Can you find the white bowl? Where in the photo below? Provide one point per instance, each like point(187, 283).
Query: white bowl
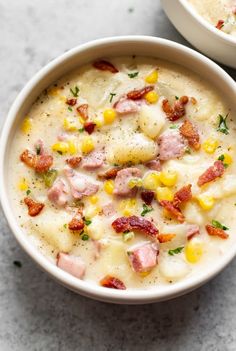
point(200, 33)
point(129, 45)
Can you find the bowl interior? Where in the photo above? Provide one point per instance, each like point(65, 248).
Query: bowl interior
point(145, 46)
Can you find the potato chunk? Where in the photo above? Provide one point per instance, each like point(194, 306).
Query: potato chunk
point(151, 120)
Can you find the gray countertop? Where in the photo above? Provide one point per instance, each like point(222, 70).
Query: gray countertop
point(38, 314)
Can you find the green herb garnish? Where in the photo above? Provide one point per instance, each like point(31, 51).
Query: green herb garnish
point(176, 98)
point(75, 92)
point(17, 264)
point(175, 251)
point(222, 127)
point(28, 192)
point(221, 158)
point(70, 109)
point(38, 149)
point(85, 237)
point(133, 75)
point(174, 126)
point(81, 130)
point(188, 151)
point(111, 96)
point(87, 221)
point(49, 177)
point(217, 224)
point(146, 209)
point(65, 225)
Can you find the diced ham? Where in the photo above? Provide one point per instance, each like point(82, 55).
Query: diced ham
point(192, 230)
point(171, 145)
point(125, 106)
point(73, 265)
point(213, 172)
point(113, 283)
point(122, 181)
point(174, 211)
point(178, 109)
point(135, 223)
point(165, 238)
point(189, 131)
point(58, 193)
point(154, 165)
point(83, 111)
point(93, 160)
point(74, 161)
point(108, 210)
point(80, 185)
point(143, 257)
point(216, 232)
point(34, 208)
point(103, 65)
point(110, 173)
point(147, 196)
point(77, 223)
point(182, 195)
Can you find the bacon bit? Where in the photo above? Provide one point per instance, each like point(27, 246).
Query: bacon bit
point(28, 158)
point(189, 131)
point(77, 223)
point(193, 100)
point(192, 231)
point(220, 24)
point(71, 102)
point(103, 65)
point(74, 161)
point(174, 211)
point(83, 111)
point(110, 174)
point(177, 111)
point(43, 163)
point(113, 283)
point(211, 173)
point(164, 238)
point(182, 195)
point(89, 127)
point(216, 232)
point(147, 196)
point(135, 223)
point(139, 94)
point(34, 208)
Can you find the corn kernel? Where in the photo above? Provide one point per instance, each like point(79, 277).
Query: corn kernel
point(206, 202)
point(72, 148)
point(168, 178)
point(152, 77)
point(23, 185)
point(69, 125)
point(144, 274)
point(127, 207)
point(210, 145)
point(62, 98)
point(26, 125)
point(135, 182)
point(81, 120)
point(151, 97)
point(151, 181)
point(194, 250)
point(164, 193)
point(93, 199)
point(61, 147)
point(109, 186)
point(99, 121)
point(109, 115)
point(87, 145)
point(227, 159)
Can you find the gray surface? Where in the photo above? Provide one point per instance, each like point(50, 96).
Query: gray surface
point(36, 313)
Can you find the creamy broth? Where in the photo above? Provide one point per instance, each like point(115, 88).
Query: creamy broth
point(128, 133)
point(220, 13)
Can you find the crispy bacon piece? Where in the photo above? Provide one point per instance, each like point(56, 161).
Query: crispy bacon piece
point(164, 238)
point(189, 131)
point(182, 195)
point(174, 211)
point(74, 161)
point(216, 232)
point(135, 223)
point(110, 173)
point(28, 158)
point(34, 208)
point(139, 94)
point(83, 111)
point(71, 102)
point(89, 127)
point(220, 24)
point(177, 111)
point(103, 65)
point(43, 163)
point(147, 196)
point(113, 283)
point(211, 173)
point(77, 223)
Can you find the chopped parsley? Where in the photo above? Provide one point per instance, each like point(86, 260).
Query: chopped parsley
point(188, 151)
point(175, 251)
point(146, 209)
point(85, 237)
point(28, 192)
point(17, 264)
point(221, 158)
point(70, 109)
point(176, 98)
point(65, 225)
point(81, 130)
point(38, 149)
point(111, 96)
point(222, 127)
point(133, 75)
point(126, 232)
point(75, 92)
point(217, 224)
point(174, 126)
point(87, 221)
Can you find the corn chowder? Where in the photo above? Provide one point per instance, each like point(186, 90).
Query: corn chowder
point(122, 173)
point(220, 13)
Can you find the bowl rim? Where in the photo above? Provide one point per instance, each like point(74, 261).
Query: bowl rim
point(208, 26)
point(87, 288)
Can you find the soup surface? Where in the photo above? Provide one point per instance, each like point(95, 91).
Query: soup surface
point(220, 13)
point(122, 174)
